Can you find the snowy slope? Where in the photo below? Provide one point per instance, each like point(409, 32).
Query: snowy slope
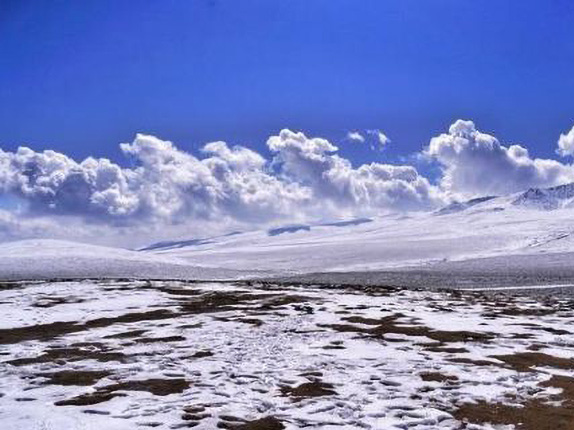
point(525, 231)
point(44, 259)
point(531, 223)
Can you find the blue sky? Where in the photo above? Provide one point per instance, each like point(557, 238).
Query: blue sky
point(81, 77)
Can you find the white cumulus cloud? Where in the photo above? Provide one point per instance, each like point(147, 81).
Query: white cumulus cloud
point(313, 162)
point(382, 138)
point(165, 185)
point(476, 163)
point(355, 136)
point(566, 143)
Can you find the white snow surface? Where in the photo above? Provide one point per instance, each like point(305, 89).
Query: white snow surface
point(517, 225)
point(49, 259)
point(235, 348)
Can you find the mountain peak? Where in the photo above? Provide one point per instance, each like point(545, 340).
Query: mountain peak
point(546, 198)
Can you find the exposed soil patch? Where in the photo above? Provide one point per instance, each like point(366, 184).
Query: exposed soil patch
point(464, 360)
point(158, 387)
point(126, 335)
point(552, 330)
point(71, 354)
point(201, 354)
point(219, 301)
point(390, 324)
point(74, 377)
point(515, 311)
point(334, 345)
point(194, 413)
point(446, 349)
point(161, 339)
point(89, 399)
point(532, 416)
point(312, 374)
point(49, 302)
point(180, 291)
point(567, 385)
point(437, 377)
point(52, 330)
point(281, 300)
point(525, 361)
point(309, 389)
point(5, 286)
point(267, 423)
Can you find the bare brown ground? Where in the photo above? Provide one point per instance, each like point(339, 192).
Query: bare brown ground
point(60, 355)
point(75, 377)
point(533, 415)
point(267, 423)
point(525, 361)
point(391, 325)
point(158, 387)
point(309, 389)
point(437, 377)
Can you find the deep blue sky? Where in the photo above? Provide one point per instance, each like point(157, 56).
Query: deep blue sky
point(82, 76)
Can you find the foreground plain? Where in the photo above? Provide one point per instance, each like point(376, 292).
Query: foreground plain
point(172, 354)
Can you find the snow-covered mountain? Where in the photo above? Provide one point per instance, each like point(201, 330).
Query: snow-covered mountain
point(561, 196)
point(534, 222)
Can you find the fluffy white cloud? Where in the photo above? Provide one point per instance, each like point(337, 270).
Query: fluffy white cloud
point(376, 138)
point(355, 136)
point(475, 163)
point(382, 138)
point(566, 143)
point(165, 183)
point(305, 178)
point(166, 189)
point(313, 162)
point(52, 181)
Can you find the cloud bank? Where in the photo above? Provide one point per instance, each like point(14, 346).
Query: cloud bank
point(314, 163)
point(475, 163)
point(304, 179)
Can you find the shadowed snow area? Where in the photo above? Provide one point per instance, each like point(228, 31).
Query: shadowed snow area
point(172, 354)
